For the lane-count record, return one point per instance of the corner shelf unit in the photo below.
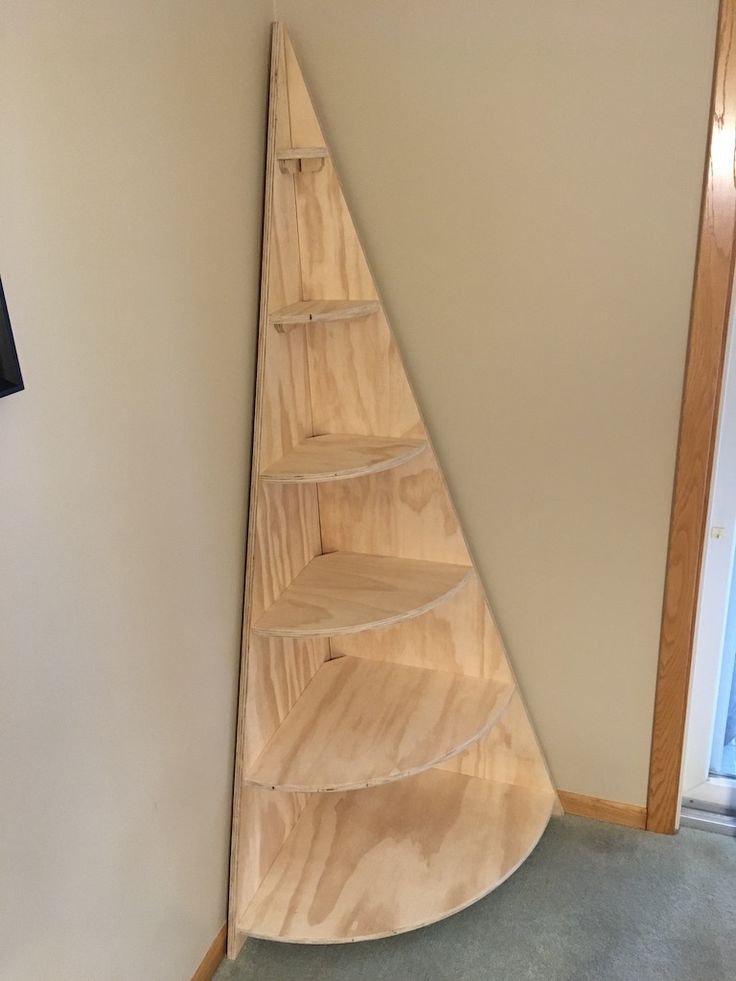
(387, 774)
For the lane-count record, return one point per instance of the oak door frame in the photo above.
(711, 301)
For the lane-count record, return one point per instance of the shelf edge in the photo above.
(327, 477)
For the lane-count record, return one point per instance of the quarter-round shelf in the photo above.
(371, 863)
(340, 457)
(346, 592)
(360, 723)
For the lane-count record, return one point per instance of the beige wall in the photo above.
(131, 174)
(526, 177)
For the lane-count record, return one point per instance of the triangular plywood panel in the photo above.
(379, 718)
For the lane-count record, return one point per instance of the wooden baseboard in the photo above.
(612, 811)
(213, 958)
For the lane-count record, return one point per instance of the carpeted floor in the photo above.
(594, 902)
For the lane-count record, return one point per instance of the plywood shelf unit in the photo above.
(387, 773)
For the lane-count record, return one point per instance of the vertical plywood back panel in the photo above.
(283, 532)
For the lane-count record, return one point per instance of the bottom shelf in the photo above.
(369, 863)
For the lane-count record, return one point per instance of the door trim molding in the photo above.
(698, 425)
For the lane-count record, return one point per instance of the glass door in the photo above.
(709, 771)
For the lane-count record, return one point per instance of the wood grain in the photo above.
(358, 380)
(267, 819)
(362, 723)
(381, 861)
(332, 261)
(287, 537)
(337, 457)
(282, 385)
(345, 593)
(279, 671)
(358, 383)
(698, 425)
(509, 753)
(458, 636)
(306, 130)
(612, 811)
(406, 511)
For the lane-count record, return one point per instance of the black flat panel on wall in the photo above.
(11, 379)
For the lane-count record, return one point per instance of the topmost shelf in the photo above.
(295, 159)
(302, 152)
(314, 311)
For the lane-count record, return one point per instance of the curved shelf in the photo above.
(361, 723)
(372, 863)
(346, 592)
(322, 311)
(337, 457)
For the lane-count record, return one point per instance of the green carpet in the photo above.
(593, 903)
